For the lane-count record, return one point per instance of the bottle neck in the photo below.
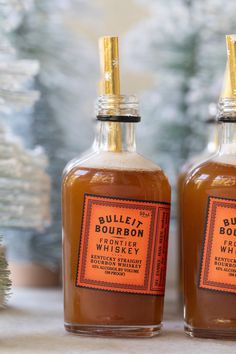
(117, 115)
(227, 119)
(116, 137)
(227, 138)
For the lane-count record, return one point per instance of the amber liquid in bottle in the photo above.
(207, 313)
(89, 307)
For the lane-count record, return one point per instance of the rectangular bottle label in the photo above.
(218, 266)
(123, 245)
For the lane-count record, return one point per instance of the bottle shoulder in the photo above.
(129, 161)
(214, 172)
(116, 166)
(191, 164)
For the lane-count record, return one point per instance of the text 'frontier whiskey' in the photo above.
(209, 227)
(116, 209)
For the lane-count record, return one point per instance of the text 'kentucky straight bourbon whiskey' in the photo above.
(116, 209)
(209, 227)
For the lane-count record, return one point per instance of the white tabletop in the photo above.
(33, 323)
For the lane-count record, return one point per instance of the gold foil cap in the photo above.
(229, 85)
(109, 61)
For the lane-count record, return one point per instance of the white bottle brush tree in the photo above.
(24, 184)
(62, 121)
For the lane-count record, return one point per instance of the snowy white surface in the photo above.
(33, 323)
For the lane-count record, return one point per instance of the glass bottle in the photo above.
(209, 220)
(116, 208)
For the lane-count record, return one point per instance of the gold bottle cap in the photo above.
(109, 60)
(229, 85)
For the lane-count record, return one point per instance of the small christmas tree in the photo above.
(24, 184)
(5, 282)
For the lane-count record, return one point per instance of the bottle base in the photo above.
(225, 334)
(114, 331)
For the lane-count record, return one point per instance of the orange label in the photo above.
(123, 245)
(218, 268)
